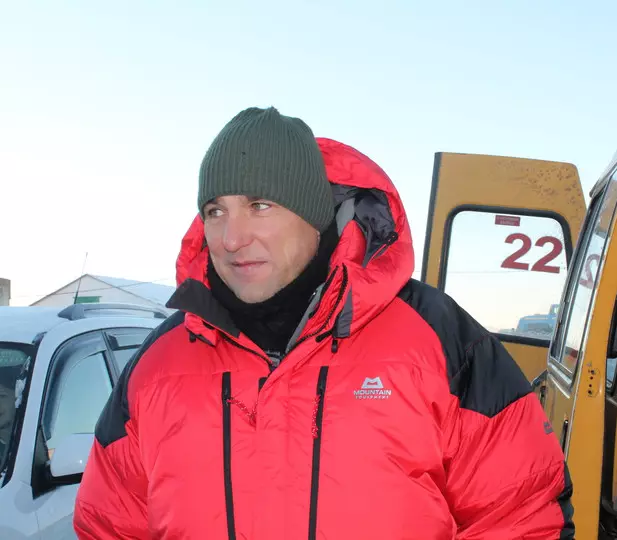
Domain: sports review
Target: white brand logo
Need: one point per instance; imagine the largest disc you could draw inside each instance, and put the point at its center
(372, 389)
(372, 384)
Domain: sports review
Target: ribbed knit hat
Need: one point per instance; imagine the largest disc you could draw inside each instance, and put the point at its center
(261, 153)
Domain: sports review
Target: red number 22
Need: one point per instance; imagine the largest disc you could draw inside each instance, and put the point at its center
(541, 265)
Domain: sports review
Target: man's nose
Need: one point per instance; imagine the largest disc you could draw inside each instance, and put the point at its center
(237, 233)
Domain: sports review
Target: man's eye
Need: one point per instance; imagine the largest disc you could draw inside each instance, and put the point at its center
(213, 212)
(261, 206)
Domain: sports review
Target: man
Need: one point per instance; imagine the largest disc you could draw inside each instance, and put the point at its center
(306, 388)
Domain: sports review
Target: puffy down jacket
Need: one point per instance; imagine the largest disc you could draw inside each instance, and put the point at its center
(393, 415)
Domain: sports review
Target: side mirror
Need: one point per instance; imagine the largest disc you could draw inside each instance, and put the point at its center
(68, 461)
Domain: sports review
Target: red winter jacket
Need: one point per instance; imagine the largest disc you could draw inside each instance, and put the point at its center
(394, 415)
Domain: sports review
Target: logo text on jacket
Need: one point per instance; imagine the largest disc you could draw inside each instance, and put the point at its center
(372, 389)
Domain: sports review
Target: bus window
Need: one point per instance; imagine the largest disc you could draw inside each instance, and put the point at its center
(510, 276)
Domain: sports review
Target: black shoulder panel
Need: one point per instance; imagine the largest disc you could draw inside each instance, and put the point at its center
(111, 424)
(482, 374)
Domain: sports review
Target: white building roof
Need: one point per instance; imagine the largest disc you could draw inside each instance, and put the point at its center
(155, 292)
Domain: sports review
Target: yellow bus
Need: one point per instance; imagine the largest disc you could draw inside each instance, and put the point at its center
(512, 240)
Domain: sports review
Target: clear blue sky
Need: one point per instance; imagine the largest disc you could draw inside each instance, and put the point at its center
(106, 108)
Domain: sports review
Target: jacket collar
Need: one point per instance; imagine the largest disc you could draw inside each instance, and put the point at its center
(192, 296)
(372, 262)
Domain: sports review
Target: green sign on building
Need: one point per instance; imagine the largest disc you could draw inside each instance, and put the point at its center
(87, 299)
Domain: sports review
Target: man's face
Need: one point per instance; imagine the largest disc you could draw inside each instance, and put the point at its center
(7, 406)
(257, 247)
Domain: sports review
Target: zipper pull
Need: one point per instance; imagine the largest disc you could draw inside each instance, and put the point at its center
(388, 241)
(391, 238)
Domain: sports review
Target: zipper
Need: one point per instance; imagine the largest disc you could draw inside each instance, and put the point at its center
(248, 349)
(321, 391)
(323, 292)
(389, 240)
(330, 315)
(229, 500)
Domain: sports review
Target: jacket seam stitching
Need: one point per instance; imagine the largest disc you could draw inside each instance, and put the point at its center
(96, 510)
(148, 384)
(446, 357)
(476, 342)
(442, 350)
(487, 419)
(468, 350)
(520, 481)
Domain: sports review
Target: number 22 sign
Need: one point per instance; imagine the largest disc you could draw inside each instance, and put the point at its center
(541, 265)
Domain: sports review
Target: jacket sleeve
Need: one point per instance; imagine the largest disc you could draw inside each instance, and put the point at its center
(111, 501)
(107, 509)
(506, 474)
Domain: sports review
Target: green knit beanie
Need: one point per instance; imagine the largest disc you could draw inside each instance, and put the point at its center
(261, 153)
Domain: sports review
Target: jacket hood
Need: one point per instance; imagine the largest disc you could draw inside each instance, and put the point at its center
(374, 257)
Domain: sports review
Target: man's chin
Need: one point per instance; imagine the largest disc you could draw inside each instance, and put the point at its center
(254, 294)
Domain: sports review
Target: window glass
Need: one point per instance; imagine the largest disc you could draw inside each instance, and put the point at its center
(611, 367)
(14, 364)
(124, 342)
(580, 302)
(507, 271)
(78, 394)
(122, 357)
(567, 346)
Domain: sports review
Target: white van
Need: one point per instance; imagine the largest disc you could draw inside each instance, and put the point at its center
(57, 369)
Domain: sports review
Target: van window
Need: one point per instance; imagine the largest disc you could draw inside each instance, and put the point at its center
(611, 368)
(566, 348)
(507, 270)
(580, 303)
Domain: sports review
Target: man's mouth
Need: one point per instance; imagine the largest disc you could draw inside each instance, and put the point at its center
(242, 264)
(247, 267)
